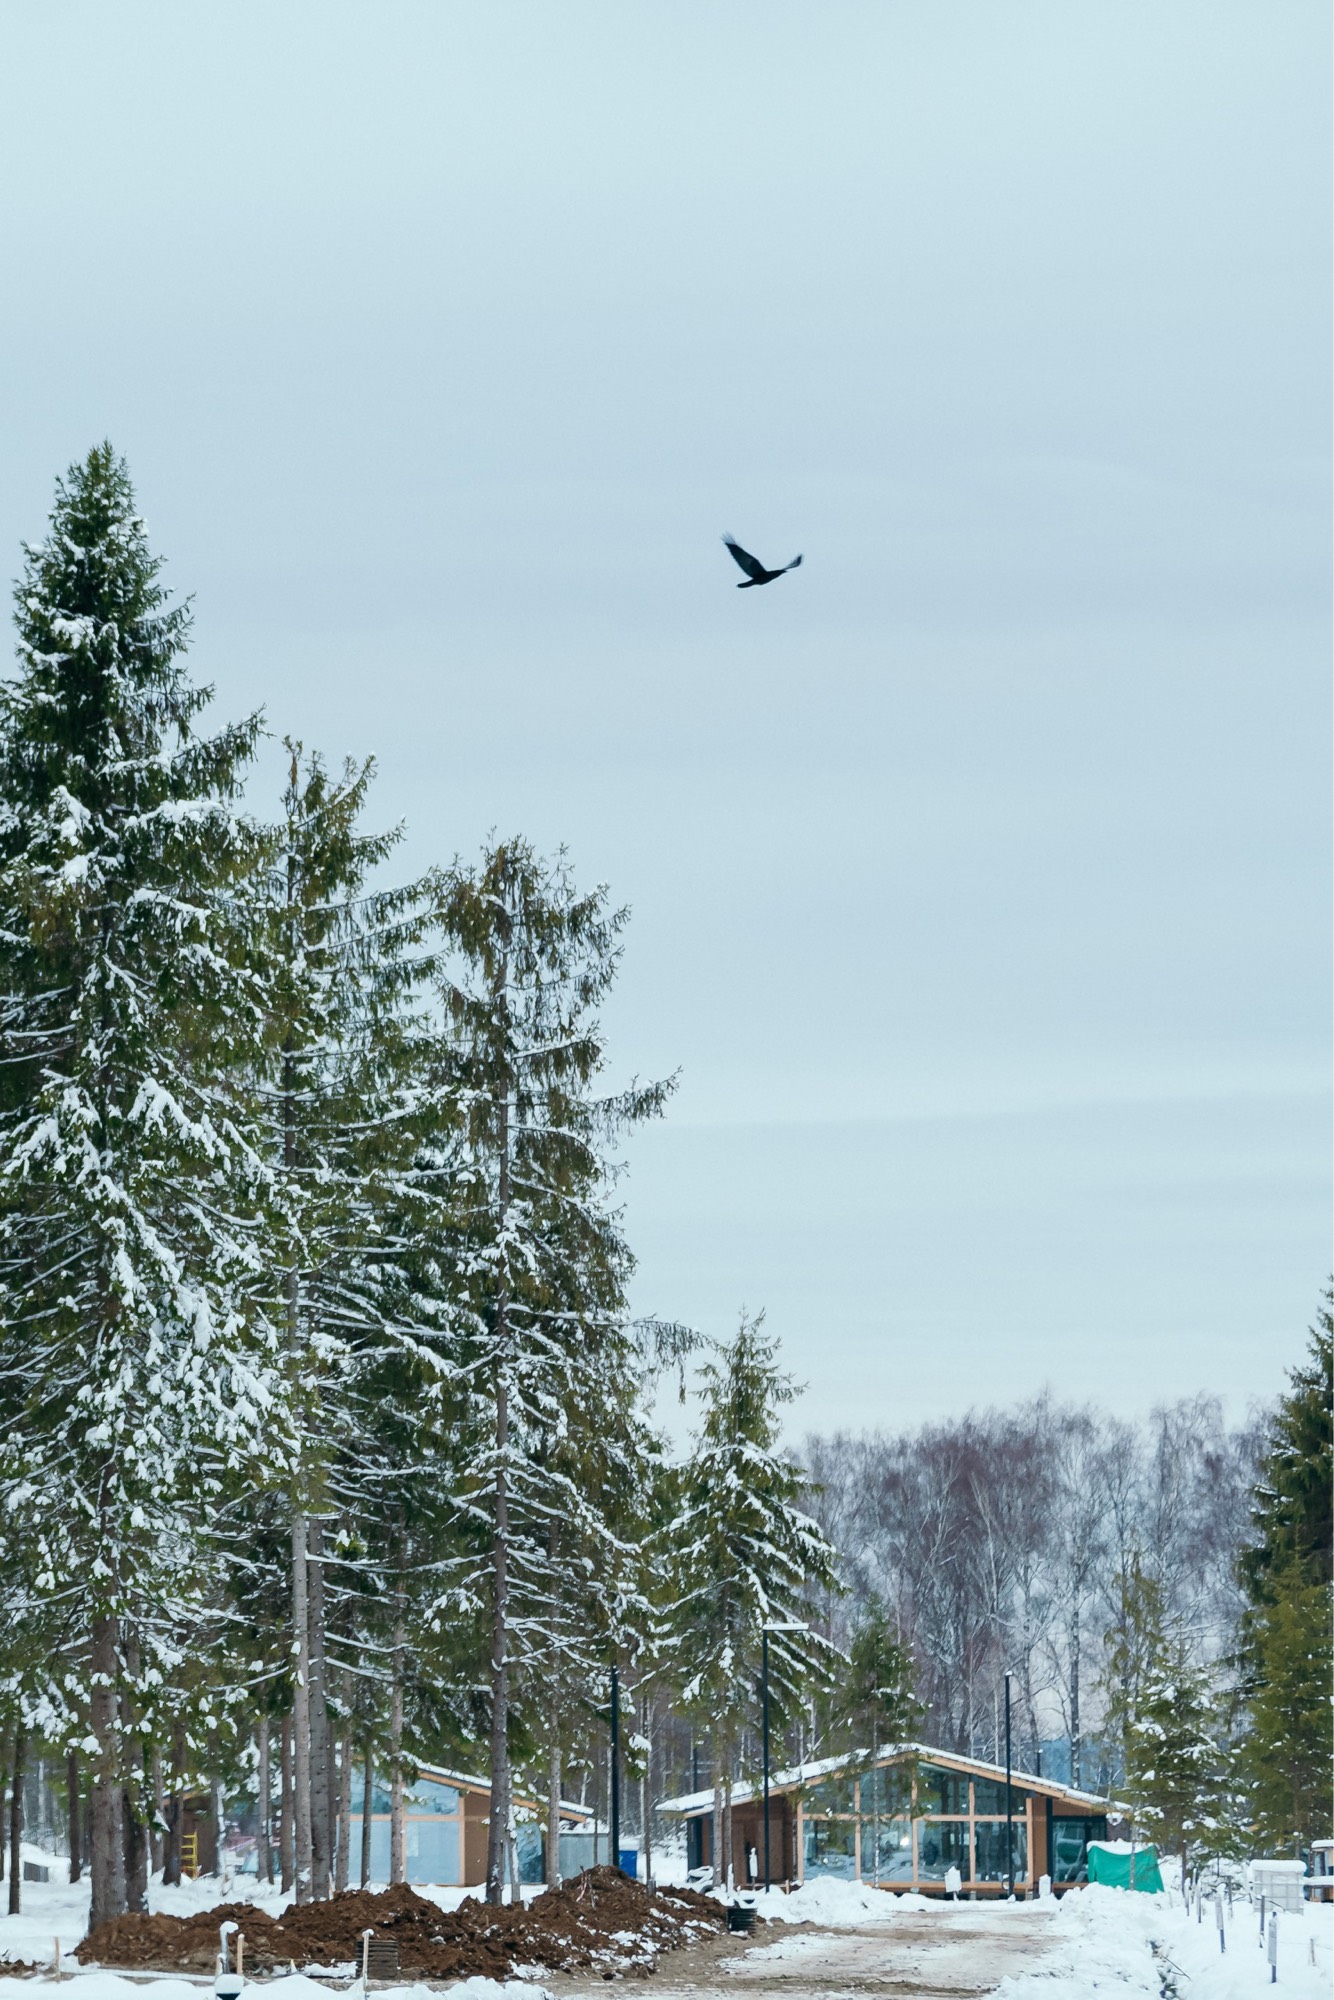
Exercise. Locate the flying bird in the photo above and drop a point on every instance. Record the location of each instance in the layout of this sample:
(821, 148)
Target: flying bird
(755, 570)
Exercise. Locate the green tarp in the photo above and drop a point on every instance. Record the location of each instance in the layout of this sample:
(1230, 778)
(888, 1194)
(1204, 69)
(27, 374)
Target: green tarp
(1119, 1868)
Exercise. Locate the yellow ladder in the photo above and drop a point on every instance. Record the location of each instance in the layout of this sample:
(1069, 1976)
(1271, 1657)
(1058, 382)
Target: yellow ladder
(190, 1854)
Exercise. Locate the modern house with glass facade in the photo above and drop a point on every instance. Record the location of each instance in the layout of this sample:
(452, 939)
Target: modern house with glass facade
(902, 1822)
(447, 1816)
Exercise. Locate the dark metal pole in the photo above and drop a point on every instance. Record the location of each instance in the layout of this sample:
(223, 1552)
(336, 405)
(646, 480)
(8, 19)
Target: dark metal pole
(615, 1768)
(764, 1653)
(1009, 1797)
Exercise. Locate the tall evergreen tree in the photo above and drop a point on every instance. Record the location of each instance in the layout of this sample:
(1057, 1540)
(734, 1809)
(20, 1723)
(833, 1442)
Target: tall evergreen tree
(1176, 1762)
(535, 1265)
(341, 960)
(746, 1554)
(1286, 1652)
(133, 1377)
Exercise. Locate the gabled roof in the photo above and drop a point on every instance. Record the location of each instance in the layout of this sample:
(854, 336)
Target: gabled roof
(465, 1782)
(690, 1804)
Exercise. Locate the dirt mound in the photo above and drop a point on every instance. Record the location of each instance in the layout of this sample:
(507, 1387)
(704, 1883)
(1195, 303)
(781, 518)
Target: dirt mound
(600, 1919)
(187, 1944)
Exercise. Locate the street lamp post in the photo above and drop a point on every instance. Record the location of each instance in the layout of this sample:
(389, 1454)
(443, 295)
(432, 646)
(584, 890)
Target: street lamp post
(1009, 1797)
(615, 1767)
(764, 1651)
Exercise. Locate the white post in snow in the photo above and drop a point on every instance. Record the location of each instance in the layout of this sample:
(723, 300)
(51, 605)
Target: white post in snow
(1273, 1947)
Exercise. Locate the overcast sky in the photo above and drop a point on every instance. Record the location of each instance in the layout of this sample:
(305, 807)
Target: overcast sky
(979, 869)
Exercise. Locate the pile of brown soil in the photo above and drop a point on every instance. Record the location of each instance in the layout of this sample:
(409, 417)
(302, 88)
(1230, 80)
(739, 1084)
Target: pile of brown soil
(600, 1919)
(186, 1944)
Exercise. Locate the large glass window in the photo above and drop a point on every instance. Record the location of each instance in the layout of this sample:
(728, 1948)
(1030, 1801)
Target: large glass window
(529, 1849)
(887, 1792)
(379, 1794)
(941, 1844)
(941, 1791)
(830, 1847)
(427, 1796)
(989, 1798)
(886, 1850)
(992, 1864)
(424, 1795)
(831, 1795)
(1070, 1842)
(433, 1850)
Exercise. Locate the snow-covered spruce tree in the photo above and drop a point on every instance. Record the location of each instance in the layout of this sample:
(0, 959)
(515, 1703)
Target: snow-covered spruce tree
(1177, 1765)
(130, 1378)
(341, 962)
(1285, 1641)
(746, 1554)
(536, 1260)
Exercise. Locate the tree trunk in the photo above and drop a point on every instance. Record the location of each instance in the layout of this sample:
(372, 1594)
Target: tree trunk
(367, 1820)
(107, 1844)
(344, 1790)
(729, 1865)
(136, 1848)
(500, 1685)
(398, 1822)
(264, 1845)
(75, 1810)
(16, 1822)
(286, 1816)
(321, 1759)
(171, 1846)
(133, 1820)
(716, 1858)
(301, 1713)
(553, 1802)
(498, 1827)
(155, 1819)
(1076, 1746)
(303, 1861)
(646, 1788)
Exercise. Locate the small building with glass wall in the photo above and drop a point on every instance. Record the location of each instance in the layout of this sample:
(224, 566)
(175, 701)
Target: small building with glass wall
(446, 1820)
(901, 1821)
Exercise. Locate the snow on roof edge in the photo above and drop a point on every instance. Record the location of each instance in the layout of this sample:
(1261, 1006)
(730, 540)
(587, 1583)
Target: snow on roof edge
(690, 1803)
(439, 1775)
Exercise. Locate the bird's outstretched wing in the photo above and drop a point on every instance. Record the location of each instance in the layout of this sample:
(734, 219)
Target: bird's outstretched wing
(754, 570)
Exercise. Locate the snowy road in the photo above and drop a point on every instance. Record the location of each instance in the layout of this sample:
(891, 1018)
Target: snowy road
(949, 1952)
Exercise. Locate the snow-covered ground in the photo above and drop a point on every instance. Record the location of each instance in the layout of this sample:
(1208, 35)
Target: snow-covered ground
(1106, 1939)
(836, 1905)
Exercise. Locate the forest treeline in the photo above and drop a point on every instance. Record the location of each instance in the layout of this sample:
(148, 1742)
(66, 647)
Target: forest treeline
(1044, 1541)
(326, 1433)
(1159, 1594)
